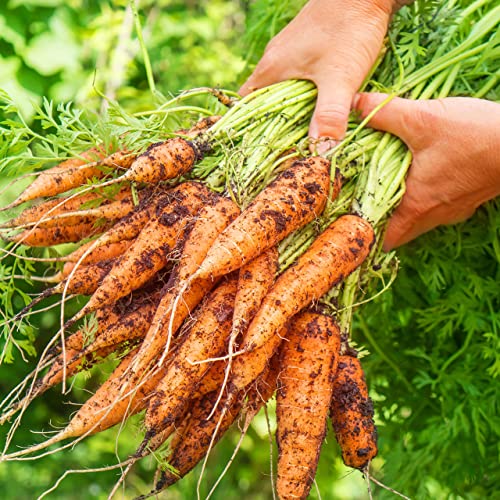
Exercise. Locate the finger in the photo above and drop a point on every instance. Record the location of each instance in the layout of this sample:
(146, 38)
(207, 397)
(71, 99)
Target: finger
(399, 228)
(399, 116)
(332, 110)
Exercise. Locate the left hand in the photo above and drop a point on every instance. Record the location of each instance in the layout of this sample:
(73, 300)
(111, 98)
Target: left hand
(333, 43)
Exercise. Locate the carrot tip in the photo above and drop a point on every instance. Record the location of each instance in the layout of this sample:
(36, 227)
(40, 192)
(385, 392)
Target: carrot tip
(14, 204)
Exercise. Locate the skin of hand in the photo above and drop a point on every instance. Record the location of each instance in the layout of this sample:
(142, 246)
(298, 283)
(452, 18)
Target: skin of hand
(455, 144)
(333, 43)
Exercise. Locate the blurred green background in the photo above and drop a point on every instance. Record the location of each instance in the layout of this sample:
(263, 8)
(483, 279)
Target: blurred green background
(433, 338)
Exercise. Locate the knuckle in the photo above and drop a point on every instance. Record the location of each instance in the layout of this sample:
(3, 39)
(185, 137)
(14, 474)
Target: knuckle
(333, 114)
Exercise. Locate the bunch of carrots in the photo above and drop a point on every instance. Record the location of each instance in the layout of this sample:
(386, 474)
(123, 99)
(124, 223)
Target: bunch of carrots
(185, 287)
(222, 266)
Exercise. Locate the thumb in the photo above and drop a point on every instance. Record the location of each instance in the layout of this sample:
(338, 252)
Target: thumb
(332, 111)
(399, 116)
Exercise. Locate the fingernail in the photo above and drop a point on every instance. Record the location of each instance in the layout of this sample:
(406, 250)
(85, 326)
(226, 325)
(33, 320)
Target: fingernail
(355, 101)
(322, 145)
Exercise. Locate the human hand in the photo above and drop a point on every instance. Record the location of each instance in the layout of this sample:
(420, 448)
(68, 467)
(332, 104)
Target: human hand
(333, 43)
(455, 144)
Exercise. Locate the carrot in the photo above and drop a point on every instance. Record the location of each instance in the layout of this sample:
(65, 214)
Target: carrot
(106, 252)
(162, 161)
(150, 251)
(61, 366)
(108, 211)
(49, 236)
(254, 281)
(295, 198)
(308, 363)
(72, 173)
(338, 251)
(104, 409)
(129, 226)
(206, 338)
(104, 318)
(130, 326)
(59, 206)
(193, 439)
(85, 281)
(352, 414)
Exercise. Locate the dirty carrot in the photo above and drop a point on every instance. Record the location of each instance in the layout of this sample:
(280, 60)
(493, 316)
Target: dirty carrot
(337, 252)
(58, 206)
(106, 252)
(150, 251)
(84, 281)
(295, 198)
(49, 236)
(352, 414)
(308, 363)
(206, 338)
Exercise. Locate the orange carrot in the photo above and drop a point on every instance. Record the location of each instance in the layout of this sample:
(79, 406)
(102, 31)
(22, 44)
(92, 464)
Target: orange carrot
(106, 252)
(107, 407)
(193, 439)
(295, 198)
(352, 414)
(129, 226)
(85, 281)
(308, 364)
(108, 211)
(58, 206)
(205, 338)
(72, 173)
(49, 236)
(150, 251)
(104, 319)
(338, 251)
(130, 326)
(165, 160)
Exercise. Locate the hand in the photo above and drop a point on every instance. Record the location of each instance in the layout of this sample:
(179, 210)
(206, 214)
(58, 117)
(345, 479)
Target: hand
(333, 43)
(456, 162)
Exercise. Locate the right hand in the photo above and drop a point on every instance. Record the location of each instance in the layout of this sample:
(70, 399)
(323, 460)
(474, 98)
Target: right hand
(333, 43)
(456, 165)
